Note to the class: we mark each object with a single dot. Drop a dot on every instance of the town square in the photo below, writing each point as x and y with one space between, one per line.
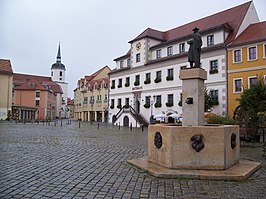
42 161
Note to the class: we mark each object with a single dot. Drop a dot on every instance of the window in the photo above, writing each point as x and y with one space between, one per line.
138 57
37 94
121 64
238 85
148 78
210 40
105 98
92 100
181 47
170 74
119 83
213 66
95 86
147 99
137 80
252 53
127 103
112 104
61 73
113 84
214 94
99 99
85 100
119 102
158 102
128 62
252 81
103 84
158 76
127 84
52 73
237 55
158 54
169 50
37 102
170 100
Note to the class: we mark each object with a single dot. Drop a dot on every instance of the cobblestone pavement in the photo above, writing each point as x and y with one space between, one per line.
42 161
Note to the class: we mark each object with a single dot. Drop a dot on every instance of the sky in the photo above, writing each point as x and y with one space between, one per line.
92 33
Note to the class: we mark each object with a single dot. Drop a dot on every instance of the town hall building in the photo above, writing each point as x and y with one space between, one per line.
146 80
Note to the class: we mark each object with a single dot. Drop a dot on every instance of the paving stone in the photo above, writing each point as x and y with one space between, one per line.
41 161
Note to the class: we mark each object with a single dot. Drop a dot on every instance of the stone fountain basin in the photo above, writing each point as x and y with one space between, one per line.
215 147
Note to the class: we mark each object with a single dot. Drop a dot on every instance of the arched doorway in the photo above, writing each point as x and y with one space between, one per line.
113 119
126 121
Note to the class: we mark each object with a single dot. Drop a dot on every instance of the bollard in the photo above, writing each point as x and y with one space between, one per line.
70 122
43 122
91 122
79 124
131 126
98 125
55 123
61 123
142 127
119 126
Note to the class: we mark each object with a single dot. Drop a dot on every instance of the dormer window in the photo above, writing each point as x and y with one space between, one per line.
138 57
121 64
182 48
128 62
61 74
210 40
169 50
158 54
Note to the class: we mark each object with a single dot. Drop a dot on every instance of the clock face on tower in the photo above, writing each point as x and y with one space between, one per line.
138 46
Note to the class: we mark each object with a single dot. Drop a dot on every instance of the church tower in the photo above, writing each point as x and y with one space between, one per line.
58 75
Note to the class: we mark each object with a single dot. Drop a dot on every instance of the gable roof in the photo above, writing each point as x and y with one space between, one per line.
90 78
233 17
5 67
253 33
23 81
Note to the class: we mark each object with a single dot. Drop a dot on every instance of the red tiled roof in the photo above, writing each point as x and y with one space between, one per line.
89 78
253 33
70 101
5 66
41 82
233 17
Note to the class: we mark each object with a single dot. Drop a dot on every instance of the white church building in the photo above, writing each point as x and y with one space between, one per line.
58 75
146 80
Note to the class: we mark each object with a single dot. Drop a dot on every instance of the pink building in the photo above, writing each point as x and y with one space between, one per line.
35 97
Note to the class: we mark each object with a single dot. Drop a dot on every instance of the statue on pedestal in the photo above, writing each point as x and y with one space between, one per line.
195 49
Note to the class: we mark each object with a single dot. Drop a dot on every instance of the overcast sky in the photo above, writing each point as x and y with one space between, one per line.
92 32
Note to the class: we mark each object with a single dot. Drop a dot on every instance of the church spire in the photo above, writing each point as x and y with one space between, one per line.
58 58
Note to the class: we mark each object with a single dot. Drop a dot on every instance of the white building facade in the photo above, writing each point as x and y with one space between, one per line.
146 80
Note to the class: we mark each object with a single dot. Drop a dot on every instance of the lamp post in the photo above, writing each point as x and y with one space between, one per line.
151 104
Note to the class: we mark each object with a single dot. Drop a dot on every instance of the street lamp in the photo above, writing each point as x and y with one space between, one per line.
151 104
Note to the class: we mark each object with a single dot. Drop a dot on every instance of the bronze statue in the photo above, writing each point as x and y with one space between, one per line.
195 49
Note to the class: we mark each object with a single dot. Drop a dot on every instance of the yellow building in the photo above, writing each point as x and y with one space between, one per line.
91 97
246 63
6 81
